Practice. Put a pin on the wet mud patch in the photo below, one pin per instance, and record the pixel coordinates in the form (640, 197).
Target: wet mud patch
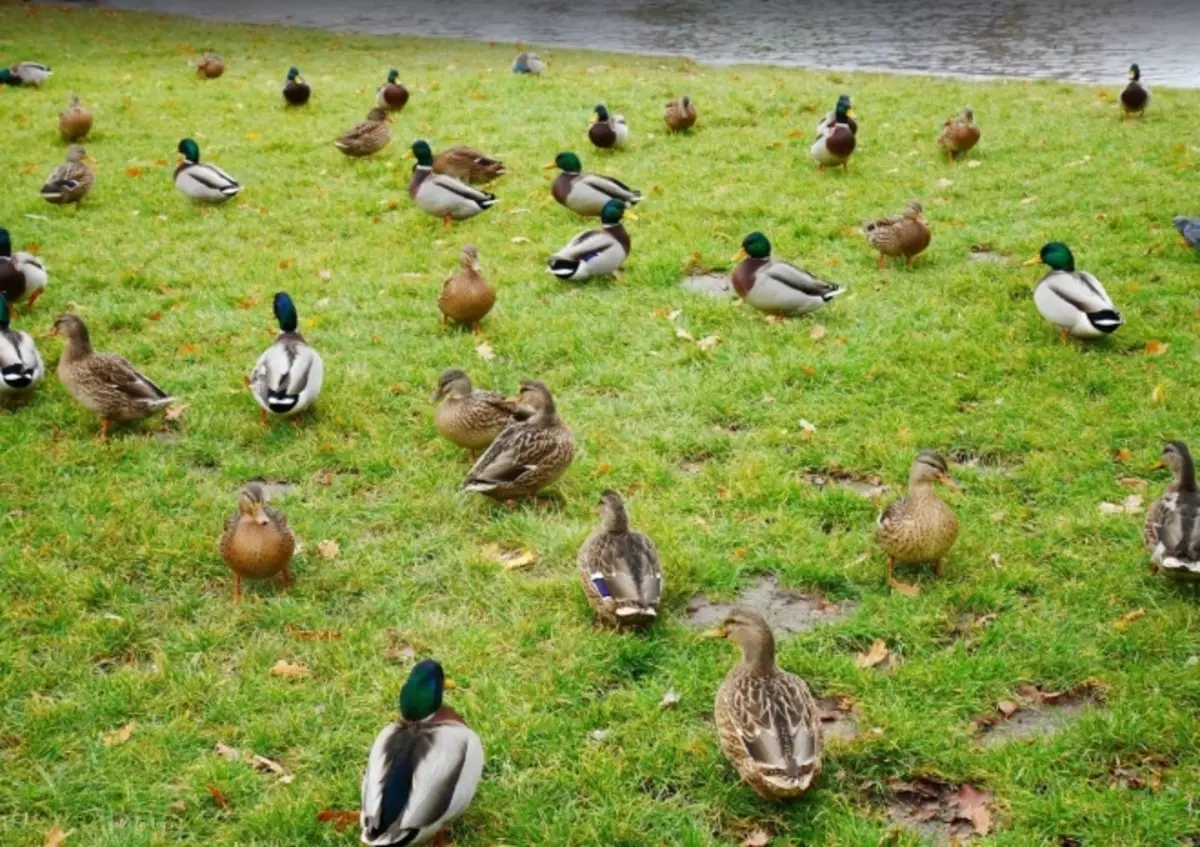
(714, 285)
(941, 813)
(839, 719)
(986, 253)
(868, 487)
(1034, 714)
(787, 611)
(983, 464)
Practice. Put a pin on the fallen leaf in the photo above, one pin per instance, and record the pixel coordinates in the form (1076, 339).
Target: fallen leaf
(817, 332)
(774, 320)
(598, 735)
(807, 429)
(945, 183)
(289, 669)
(1133, 482)
(519, 239)
(669, 699)
(315, 634)
(1123, 455)
(511, 559)
(329, 548)
(684, 334)
(178, 806)
(133, 171)
(485, 351)
(1155, 347)
(1125, 620)
(1007, 708)
(217, 796)
(1132, 504)
(325, 273)
(326, 477)
(119, 736)
(56, 836)
(708, 342)
(284, 264)
(877, 653)
(905, 588)
(264, 764)
(252, 136)
(1107, 508)
(232, 754)
(1159, 395)
(974, 163)
(994, 559)
(758, 838)
(186, 350)
(973, 806)
(174, 413)
(340, 819)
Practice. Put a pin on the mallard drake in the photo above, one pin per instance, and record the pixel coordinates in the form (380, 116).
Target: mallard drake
(467, 165)
(1072, 300)
(904, 235)
(392, 96)
(25, 73)
(21, 275)
(680, 114)
(467, 416)
(295, 90)
(75, 121)
(919, 528)
(71, 181)
(585, 193)
(1135, 97)
(774, 286)
(1173, 521)
(466, 297)
(257, 542)
(830, 118)
(529, 454)
(607, 130)
(368, 137)
(528, 63)
(959, 134)
(206, 182)
(21, 366)
(619, 568)
(104, 383)
(594, 252)
(444, 196)
(287, 377)
(210, 66)
(1189, 228)
(767, 721)
(836, 138)
(423, 769)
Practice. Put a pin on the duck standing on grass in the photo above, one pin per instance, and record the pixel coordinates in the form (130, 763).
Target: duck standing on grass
(528, 63)
(75, 121)
(836, 137)
(680, 114)
(204, 182)
(585, 193)
(25, 73)
(595, 252)
(1173, 520)
(467, 416)
(467, 297)
(466, 164)
(774, 286)
(830, 118)
(919, 528)
(959, 134)
(620, 570)
(423, 769)
(904, 235)
(21, 275)
(257, 542)
(210, 66)
(287, 377)
(1072, 300)
(21, 365)
(368, 137)
(608, 131)
(392, 96)
(444, 196)
(71, 181)
(1135, 97)
(295, 90)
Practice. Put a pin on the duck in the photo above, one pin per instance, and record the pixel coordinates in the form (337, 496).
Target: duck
(368, 137)
(1135, 97)
(830, 118)
(528, 63)
(467, 164)
(21, 275)
(586, 193)
(21, 366)
(71, 181)
(620, 569)
(104, 383)
(1189, 228)
(392, 96)
(295, 90)
(441, 195)
(1173, 521)
(608, 131)
(530, 454)
(210, 66)
(257, 542)
(75, 121)
(26, 73)
(919, 528)
(836, 138)
(594, 252)
(287, 377)
(204, 182)
(680, 114)
(768, 723)
(906, 234)
(1072, 300)
(423, 770)
(466, 297)
(470, 417)
(777, 287)
(959, 134)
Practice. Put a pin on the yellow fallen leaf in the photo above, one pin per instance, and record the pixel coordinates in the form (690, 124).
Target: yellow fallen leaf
(294, 670)
(509, 558)
(1123, 456)
(1159, 395)
(807, 429)
(118, 736)
(1124, 621)
(186, 350)
(252, 136)
(1155, 347)
(325, 273)
(329, 548)
(817, 332)
(878, 652)
(133, 171)
(708, 342)
(905, 588)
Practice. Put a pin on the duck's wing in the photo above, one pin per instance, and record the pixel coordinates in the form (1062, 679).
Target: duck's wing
(799, 279)
(587, 245)
(777, 722)
(449, 183)
(514, 453)
(117, 372)
(612, 187)
(1080, 289)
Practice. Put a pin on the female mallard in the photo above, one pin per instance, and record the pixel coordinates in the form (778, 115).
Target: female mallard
(608, 131)
(295, 90)
(1135, 96)
(959, 134)
(75, 121)
(919, 528)
(528, 63)
(585, 193)
(392, 96)
(619, 568)
(830, 118)
(287, 377)
(1173, 521)
(104, 383)
(904, 235)
(368, 137)
(21, 275)
(210, 66)
(467, 416)
(529, 454)
(423, 769)
(444, 196)
(206, 182)
(594, 252)
(467, 297)
(21, 366)
(680, 114)
(774, 286)
(1072, 300)
(257, 542)
(25, 73)
(767, 721)
(71, 181)
(467, 165)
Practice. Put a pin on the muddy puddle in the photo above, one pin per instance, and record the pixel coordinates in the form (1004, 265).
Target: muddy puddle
(786, 610)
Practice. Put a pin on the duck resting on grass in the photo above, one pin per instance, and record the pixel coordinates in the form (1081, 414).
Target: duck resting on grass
(608, 131)
(257, 542)
(295, 90)
(470, 417)
(774, 286)
(368, 137)
(392, 95)
(21, 366)
(1074, 301)
(586, 193)
(836, 137)
(919, 528)
(423, 769)
(75, 121)
(959, 134)
(1173, 521)
(1135, 97)
(528, 63)
(904, 235)
(444, 196)
(595, 252)
(467, 297)
(210, 66)
(25, 73)
(21, 275)
(619, 568)
(204, 182)
(287, 377)
(467, 164)
(680, 115)
(71, 181)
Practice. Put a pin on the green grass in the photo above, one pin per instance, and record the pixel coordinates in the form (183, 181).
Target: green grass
(117, 608)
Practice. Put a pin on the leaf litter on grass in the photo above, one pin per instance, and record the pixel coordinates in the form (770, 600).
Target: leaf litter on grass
(1034, 713)
(939, 811)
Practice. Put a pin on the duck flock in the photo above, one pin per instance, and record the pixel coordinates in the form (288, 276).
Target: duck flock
(423, 769)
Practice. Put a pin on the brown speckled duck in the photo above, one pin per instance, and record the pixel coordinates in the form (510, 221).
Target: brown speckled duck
(904, 235)
(210, 66)
(680, 114)
(619, 568)
(71, 181)
(467, 416)
(368, 137)
(75, 121)
(468, 165)
(257, 542)
(919, 528)
(959, 134)
(1173, 520)
(767, 720)
(466, 297)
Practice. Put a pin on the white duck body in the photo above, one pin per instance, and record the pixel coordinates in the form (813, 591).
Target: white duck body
(446, 197)
(21, 366)
(1077, 302)
(771, 285)
(32, 73)
(592, 253)
(206, 182)
(287, 377)
(18, 267)
(621, 129)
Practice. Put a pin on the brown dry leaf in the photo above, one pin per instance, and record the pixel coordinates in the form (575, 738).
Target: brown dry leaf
(325, 273)
(774, 319)
(326, 477)
(174, 413)
(1123, 456)
(217, 796)
(294, 670)
(684, 334)
(973, 806)
(230, 753)
(1159, 395)
(817, 332)
(485, 352)
(1007, 708)
(905, 588)
(877, 653)
(186, 350)
(262, 763)
(603, 468)
(160, 163)
(55, 836)
(118, 736)
(284, 264)
(340, 819)
(708, 342)
(1155, 347)
(329, 548)
(758, 838)
(1125, 620)
(133, 171)
(807, 430)
(314, 634)
(1133, 482)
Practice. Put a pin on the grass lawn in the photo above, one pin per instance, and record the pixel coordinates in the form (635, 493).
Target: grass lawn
(117, 608)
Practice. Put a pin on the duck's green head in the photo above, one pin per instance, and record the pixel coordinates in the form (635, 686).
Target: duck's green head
(393, 74)
(423, 154)
(5, 242)
(756, 246)
(190, 150)
(422, 693)
(1135, 72)
(601, 113)
(843, 110)
(568, 162)
(285, 312)
(612, 213)
(1057, 255)
(6, 77)
(292, 74)
(5, 313)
